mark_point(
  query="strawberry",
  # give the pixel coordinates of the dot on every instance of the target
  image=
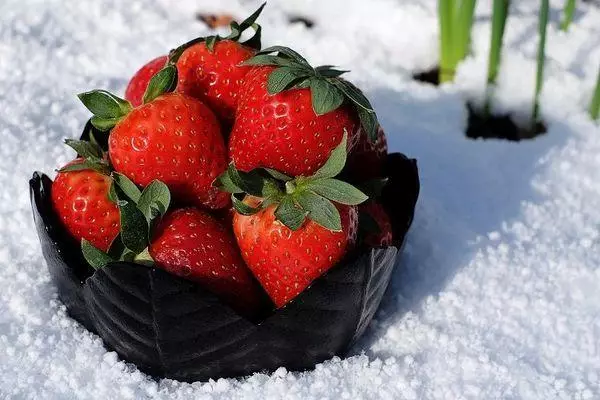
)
(209, 68)
(288, 229)
(382, 234)
(214, 76)
(366, 161)
(290, 116)
(285, 262)
(139, 82)
(192, 244)
(172, 137)
(80, 198)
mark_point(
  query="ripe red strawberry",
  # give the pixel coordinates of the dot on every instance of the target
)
(192, 244)
(139, 82)
(366, 161)
(378, 215)
(282, 132)
(214, 76)
(80, 198)
(285, 262)
(176, 139)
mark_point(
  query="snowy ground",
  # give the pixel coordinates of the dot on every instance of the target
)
(497, 292)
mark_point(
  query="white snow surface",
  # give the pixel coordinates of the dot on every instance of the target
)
(497, 293)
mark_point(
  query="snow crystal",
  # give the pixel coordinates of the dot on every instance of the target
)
(496, 294)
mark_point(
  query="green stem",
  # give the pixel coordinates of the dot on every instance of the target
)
(464, 11)
(499, 16)
(543, 22)
(446, 11)
(568, 15)
(595, 105)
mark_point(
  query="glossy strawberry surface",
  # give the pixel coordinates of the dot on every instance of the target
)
(214, 77)
(366, 160)
(175, 139)
(285, 262)
(80, 198)
(282, 131)
(194, 245)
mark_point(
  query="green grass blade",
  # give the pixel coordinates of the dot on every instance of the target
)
(445, 14)
(568, 15)
(595, 105)
(464, 11)
(541, 55)
(499, 16)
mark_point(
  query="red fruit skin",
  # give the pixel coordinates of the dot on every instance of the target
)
(367, 159)
(139, 82)
(177, 140)
(282, 131)
(80, 198)
(285, 262)
(214, 77)
(193, 245)
(384, 237)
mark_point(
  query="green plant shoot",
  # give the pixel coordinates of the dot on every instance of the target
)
(445, 13)
(567, 15)
(541, 56)
(499, 16)
(464, 11)
(595, 105)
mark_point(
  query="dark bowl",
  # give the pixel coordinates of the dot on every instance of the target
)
(170, 327)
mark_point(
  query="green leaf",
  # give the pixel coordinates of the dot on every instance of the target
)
(325, 96)
(368, 120)
(163, 81)
(127, 186)
(337, 191)
(278, 175)
(290, 214)
(116, 248)
(296, 57)
(85, 149)
(224, 183)
(248, 22)
(329, 72)
(264, 59)
(210, 43)
(94, 256)
(242, 207)
(104, 124)
(283, 78)
(98, 166)
(144, 258)
(320, 210)
(255, 41)
(155, 200)
(337, 159)
(104, 104)
(134, 227)
(112, 192)
(353, 94)
(253, 182)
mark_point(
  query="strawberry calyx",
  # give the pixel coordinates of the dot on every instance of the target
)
(328, 90)
(296, 198)
(237, 29)
(139, 211)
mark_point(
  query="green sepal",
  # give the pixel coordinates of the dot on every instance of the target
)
(127, 186)
(85, 149)
(210, 43)
(134, 226)
(336, 190)
(104, 124)
(325, 96)
(99, 166)
(284, 78)
(278, 175)
(336, 161)
(164, 81)
(287, 52)
(105, 105)
(94, 256)
(320, 210)
(154, 200)
(225, 184)
(144, 258)
(253, 182)
(290, 214)
(241, 207)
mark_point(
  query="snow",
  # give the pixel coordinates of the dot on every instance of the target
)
(496, 294)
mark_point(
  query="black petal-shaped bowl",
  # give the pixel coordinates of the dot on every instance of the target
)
(170, 327)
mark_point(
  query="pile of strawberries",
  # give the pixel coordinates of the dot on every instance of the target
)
(223, 166)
